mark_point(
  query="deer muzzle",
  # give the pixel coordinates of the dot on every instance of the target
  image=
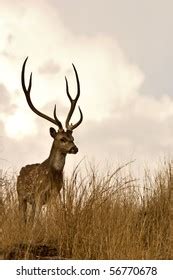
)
(73, 150)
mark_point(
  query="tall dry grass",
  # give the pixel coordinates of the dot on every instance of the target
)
(109, 216)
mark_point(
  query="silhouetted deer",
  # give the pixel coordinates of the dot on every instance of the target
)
(37, 182)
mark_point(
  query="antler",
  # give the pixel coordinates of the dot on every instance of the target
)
(28, 98)
(73, 104)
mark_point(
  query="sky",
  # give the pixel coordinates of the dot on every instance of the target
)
(122, 51)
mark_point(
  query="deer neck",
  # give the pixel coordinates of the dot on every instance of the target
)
(56, 160)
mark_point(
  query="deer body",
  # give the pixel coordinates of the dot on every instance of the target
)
(36, 183)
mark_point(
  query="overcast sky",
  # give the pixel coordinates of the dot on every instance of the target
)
(123, 54)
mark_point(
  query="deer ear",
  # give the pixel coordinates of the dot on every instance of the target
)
(53, 132)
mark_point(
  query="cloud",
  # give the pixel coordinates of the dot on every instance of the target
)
(4, 96)
(49, 67)
(6, 106)
(107, 78)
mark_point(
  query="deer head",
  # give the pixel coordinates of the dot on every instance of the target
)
(63, 139)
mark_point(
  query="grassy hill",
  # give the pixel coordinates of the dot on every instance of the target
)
(108, 216)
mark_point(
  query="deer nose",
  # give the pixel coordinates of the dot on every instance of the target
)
(73, 150)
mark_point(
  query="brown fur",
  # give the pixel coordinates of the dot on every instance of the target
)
(37, 183)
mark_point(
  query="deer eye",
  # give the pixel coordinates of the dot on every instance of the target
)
(63, 140)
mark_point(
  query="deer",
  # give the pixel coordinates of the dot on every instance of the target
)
(38, 182)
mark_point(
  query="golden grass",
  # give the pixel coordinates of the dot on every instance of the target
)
(100, 217)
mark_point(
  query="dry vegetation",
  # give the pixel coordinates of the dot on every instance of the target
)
(101, 217)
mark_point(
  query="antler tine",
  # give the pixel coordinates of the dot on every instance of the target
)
(79, 122)
(73, 103)
(26, 91)
(28, 98)
(56, 119)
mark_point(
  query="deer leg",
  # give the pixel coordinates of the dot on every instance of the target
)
(32, 216)
(36, 210)
(33, 210)
(22, 209)
(60, 198)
